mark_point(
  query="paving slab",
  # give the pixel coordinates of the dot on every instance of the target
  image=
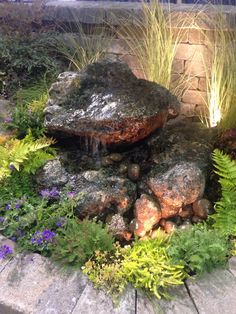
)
(62, 295)
(214, 293)
(180, 303)
(23, 280)
(93, 301)
(232, 265)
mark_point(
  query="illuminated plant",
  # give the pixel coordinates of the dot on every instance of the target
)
(221, 74)
(154, 40)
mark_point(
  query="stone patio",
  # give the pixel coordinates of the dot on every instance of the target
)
(31, 284)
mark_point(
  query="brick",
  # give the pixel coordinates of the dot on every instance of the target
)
(196, 68)
(178, 66)
(191, 52)
(202, 86)
(196, 36)
(192, 82)
(194, 97)
(180, 34)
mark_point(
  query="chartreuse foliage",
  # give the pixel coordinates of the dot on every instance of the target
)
(27, 154)
(146, 265)
(199, 249)
(225, 216)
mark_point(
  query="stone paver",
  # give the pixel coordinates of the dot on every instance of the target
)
(180, 303)
(214, 293)
(31, 284)
(95, 301)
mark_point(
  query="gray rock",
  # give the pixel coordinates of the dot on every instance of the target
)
(52, 174)
(98, 192)
(95, 301)
(214, 293)
(101, 193)
(107, 102)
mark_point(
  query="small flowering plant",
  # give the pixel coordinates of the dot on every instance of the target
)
(5, 251)
(43, 240)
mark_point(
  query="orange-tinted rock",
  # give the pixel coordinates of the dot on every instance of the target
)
(170, 226)
(147, 214)
(180, 185)
(202, 208)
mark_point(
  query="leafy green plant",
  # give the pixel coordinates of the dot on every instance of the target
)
(26, 59)
(147, 265)
(225, 216)
(26, 153)
(79, 240)
(29, 118)
(199, 249)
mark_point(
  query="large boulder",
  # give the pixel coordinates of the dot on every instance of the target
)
(108, 103)
(180, 158)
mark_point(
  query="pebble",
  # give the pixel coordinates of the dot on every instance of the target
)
(123, 168)
(106, 161)
(196, 219)
(116, 157)
(133, 172)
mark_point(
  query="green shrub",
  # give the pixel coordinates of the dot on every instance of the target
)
(24, 60)
(199, 249)
(225, 216)
(79, 240)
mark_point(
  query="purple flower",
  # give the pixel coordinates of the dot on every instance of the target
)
(61, 222)
(1, 219)
(44, 237)
(12, 167)
(70, 195)
(8, 207)
(4, 251)
(17, 205)
(8, 119)
(54, 192)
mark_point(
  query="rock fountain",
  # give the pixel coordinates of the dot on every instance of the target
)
(151, 173)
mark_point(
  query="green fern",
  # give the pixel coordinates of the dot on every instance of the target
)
(27, 152)
(225, 216)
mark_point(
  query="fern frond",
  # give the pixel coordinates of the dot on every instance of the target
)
(225, 216)
(17, 152)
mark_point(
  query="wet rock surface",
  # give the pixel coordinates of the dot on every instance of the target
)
(107, 102)
(161, 179)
